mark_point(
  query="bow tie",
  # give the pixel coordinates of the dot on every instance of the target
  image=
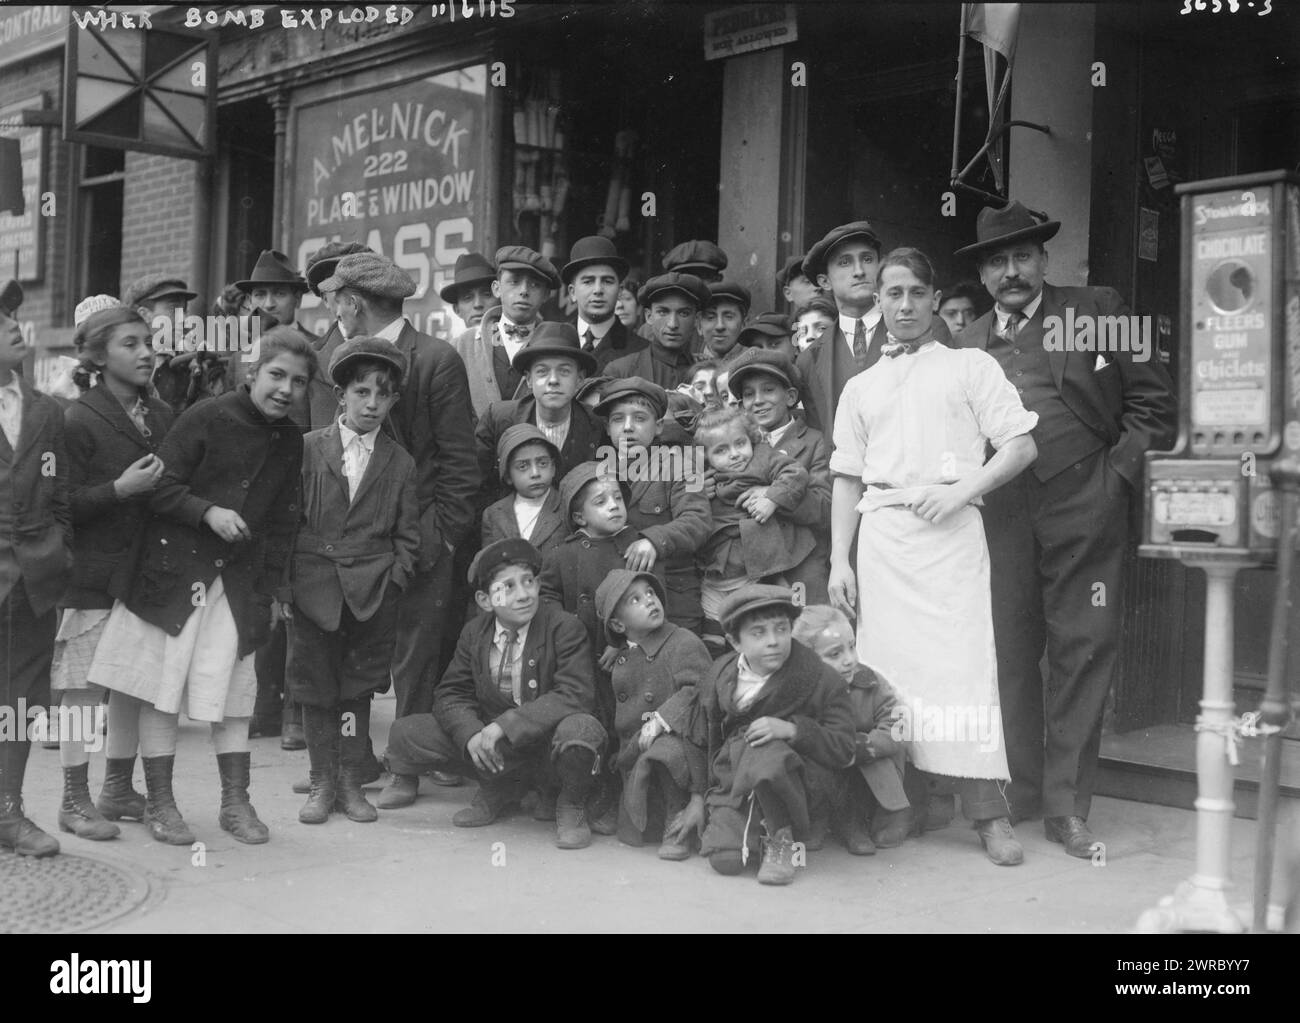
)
(520, 330)
(893, 347)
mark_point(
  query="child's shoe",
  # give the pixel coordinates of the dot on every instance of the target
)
(571, 828)
(857, 836)
(778, 858)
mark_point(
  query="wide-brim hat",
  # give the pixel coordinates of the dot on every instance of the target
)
(759, 360)
(814, 263)
(522, 258)
(768, 324)
(553, 340)
(614, 587)
(471, 268)
(502, 552)
(752, 598)
(516, 437)
(687, 285)
(697, 254)
(996, 228)
(616, 390)
(594, 250)
(375, 348)
(321, 263)
(272, 267)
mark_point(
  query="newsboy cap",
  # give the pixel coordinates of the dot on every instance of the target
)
(793, 268)
(767, 324)
(357, 348)
(696, 255)
(272, 268)
(760, 360)
(614, 587)
(752, 598)
(815, 262)
(687, 285)
(371, 273)
(321, 263)
(616, 390)
(525, 260)
(729, 291)
(152, 287)
(491, 558)
(471, 268)
(995, 228)
(516, 437)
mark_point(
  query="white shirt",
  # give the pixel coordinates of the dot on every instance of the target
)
(392, 331)
(511, 344)
(748, 684)
(1028, 312)
(598, 330)
(774, 436)
(357, 449)
(515, 665)
(923, 418)
(11, 409)
(849, 324)
(527, 511)
(556, 433)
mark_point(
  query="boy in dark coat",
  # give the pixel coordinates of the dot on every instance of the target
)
(657, 714)
(669, 511)
(35, 559)
(778, 720)
(871, 803)
(531, 511)
(514, 708)
(354, 553)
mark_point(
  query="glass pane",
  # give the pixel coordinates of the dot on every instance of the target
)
(188, 111)
(181, 77)
(94, 58)
(121, 120)
(128, 44)
(95, 97)
(164, 49)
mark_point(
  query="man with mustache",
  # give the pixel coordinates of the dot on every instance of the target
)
(1057, 531)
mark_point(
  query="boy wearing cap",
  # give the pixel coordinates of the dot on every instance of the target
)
(795, 285)
(778, 720)
(698, 257)
(662, 738)
(593, 277)
(723, 319)
(529, 464)
(671, 515)
(673, 302)
(552, 366)
(769, 387)
(514, 708)
(355, 552)
(769, 332)
(524, 282)
(470, 290)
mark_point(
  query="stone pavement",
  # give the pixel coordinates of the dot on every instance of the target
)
(413, 871)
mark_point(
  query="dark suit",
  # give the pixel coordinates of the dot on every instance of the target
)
(617, 342)
(1057, 535)
(665, 367)
(811, 449)
(323, 403)
(499, 523)
(586, 435)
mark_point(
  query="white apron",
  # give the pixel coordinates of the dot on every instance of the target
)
(925, 623)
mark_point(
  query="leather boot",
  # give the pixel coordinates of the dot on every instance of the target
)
(352, 765)
(78, 814)
(320, 726)
(17, 833)
(778, 858)
(574, 766)
(489, 803)
(291, 732)
(118, 799)
(237, 814)
(160, 815)
(675, 800)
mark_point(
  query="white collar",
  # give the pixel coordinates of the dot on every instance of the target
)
(531, 502)
(849, 324)
(392, 331)
(743, 668)
(774, 436)
(598, 330)
(347, 435)
(1028, 312)
(521, 634)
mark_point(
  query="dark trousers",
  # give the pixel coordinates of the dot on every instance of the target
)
(1056, 551)
(422, 621)
(350, 662)
(26, 650)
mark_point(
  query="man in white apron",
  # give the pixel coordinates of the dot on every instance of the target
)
(910, 439)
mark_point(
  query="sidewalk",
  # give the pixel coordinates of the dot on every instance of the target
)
(413, 871)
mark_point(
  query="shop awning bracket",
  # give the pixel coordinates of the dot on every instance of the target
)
(994, 136)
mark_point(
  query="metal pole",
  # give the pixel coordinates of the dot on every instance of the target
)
(1214, 805)
(961, 73)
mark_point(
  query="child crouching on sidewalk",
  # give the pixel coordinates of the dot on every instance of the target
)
(871, 806)
(779, 720)
(657, 713)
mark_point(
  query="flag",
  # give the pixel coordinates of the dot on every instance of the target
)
(996, 26)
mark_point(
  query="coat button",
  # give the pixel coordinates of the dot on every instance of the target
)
(219, 563)
(622, 660)
(649, 658)
(622, 697)
(586, 543)
(532, 683)
(244, 484)
(329, 546)
(584, 596)
(658, 508)
(649, 697)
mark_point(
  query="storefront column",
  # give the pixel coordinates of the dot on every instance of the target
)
(1052, 85)
(749, 199)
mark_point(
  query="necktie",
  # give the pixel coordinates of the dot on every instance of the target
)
(522, 331)
(588, 340)
(505, 672)
(860, 345)
(893, 347)
(1014, 320)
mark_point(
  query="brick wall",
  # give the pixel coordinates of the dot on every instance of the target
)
(158, 217)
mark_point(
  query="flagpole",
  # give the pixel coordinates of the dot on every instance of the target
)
(961, 73)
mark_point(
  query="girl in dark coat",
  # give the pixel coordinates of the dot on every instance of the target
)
(112, 432)
(197, 601)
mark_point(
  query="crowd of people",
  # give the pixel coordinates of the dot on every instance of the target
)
(633, 556)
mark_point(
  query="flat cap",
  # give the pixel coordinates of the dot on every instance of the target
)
(516, 437)
(371, 273)
(687, 285)
(471, 268)
(553, 340)
(815, 262)
(760, 360)
(696, 254)
(577, 478)
(628, 387)
(366, 348)
(272, 268)
(729, 290)
(321, 263)
(765, 324)
(152, 287)
(614, 587)
(524, 259)
(491, 558)
(752, 598)
(793, 268)
(590, 384)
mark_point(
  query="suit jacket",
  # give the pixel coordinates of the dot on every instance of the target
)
(499, 523)
(642, 363)
(35, 512)
(555, 681)
(617, 342)
(323, 405)
(433, 421)
(810, 449)
(102, 441)
(474, 346)
(221, 452)
(586, 435)
(349, 550)
(1129, 404)
(572, 570)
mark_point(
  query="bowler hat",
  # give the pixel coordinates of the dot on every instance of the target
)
(769, 324)
(815, 262)
(152, 287)
(729, 291)
(687, 285)
(522, 258)
(551, 339)
(272, 267)
(516, 437)
(471, 268)
(502, 552)
(752, 598)
(366, 348)
(321, 263)
(696, 255)
(617, 390)
(594, 250)
(371, 273)
(614, 587)
(759, 360)
(995, 228)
